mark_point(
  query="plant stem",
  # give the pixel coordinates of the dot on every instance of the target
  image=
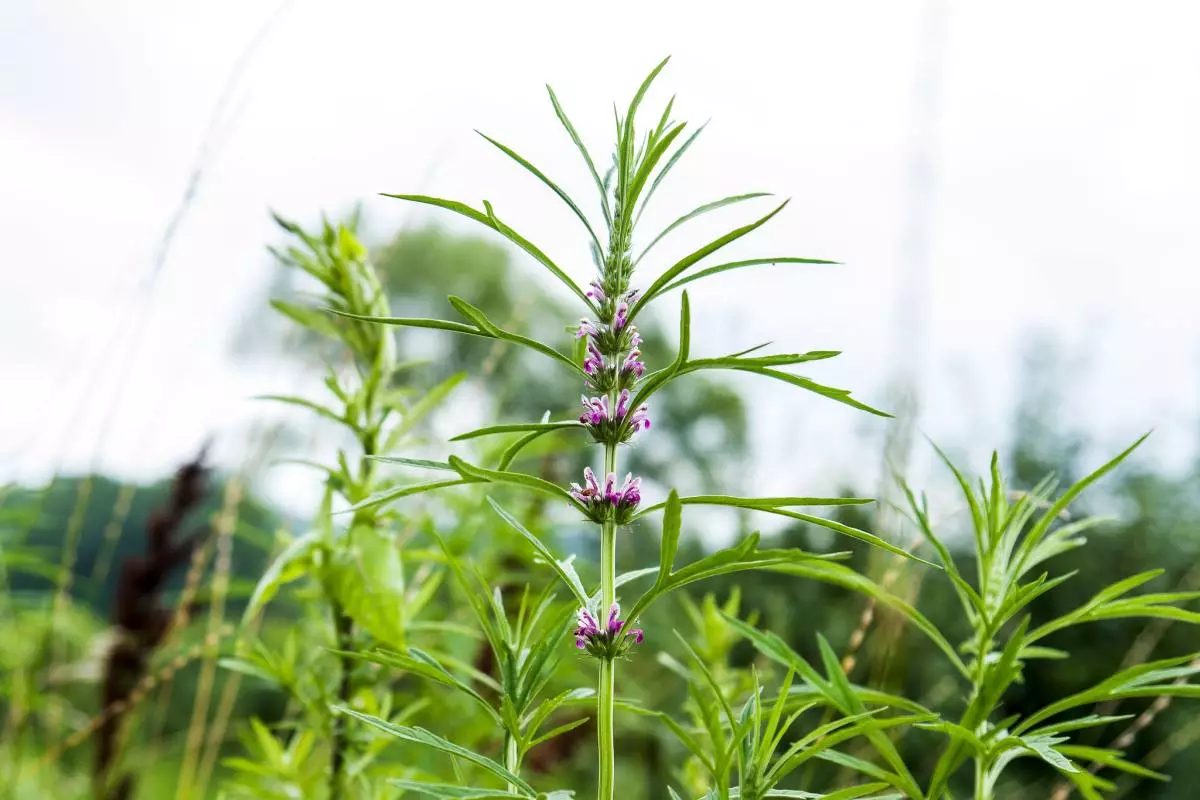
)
(981, 792)
(510, 759)
(344, 626)
(606, 691)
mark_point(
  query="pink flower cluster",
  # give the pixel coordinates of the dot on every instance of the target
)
(606, 642)
(608, 502)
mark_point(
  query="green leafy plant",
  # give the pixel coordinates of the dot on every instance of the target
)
(358, 569)
(1012, 540)
(607, 359)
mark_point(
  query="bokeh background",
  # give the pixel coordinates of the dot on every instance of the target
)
(1012, 190)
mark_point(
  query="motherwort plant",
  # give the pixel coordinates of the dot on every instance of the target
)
(617, 407)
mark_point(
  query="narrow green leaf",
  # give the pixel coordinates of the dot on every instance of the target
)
(683, 264)
(491, 221)
(424, 737)
(667, 168)
(760, 503)
(846, 530)
(537, 173)
(328, 413)
(415, 322)
(289, 565)
(480, 319)
(414, 462)
(566, 123)
(672, 524)
(405, 491)
(543, 427)
(700, 211)
(477, 473)
(565, 571)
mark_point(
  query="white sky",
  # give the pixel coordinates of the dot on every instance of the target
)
(1067, 195)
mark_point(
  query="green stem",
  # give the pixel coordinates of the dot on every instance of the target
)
(606, 691)
(981, 792)
(511, 760)
(344, 627)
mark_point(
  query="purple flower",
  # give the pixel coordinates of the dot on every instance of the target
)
(595, 410)
(640, 419)
(594, 362)
(586, 328)
(620, 423)
(590, 490)
(608, 502)
(596, 292)
(621, 316)
(586, 629)
(633, 363)
(607, 643)
(628, 496)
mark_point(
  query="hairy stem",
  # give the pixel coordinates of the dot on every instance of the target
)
(606, 691)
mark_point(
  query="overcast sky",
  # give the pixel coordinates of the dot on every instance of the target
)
(1066, 180)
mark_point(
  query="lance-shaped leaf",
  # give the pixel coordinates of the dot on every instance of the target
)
(537, 173)
(418, 662)
(699, 211)
(740, 558)
(683, 264)
(1163, 678)
(532, 482)
(760, 503)
(835, 687)
(291, 563)
(841, 575)
(662, 173)
(488, 218)
(444, 791)
(388, 495)
(301, 402)
(424, 737)
(519, 427)
(650, 161)
(566, 123)
(564, 569)
(477, 317)
(732, 265)
(1032, 539)
(762, 365)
